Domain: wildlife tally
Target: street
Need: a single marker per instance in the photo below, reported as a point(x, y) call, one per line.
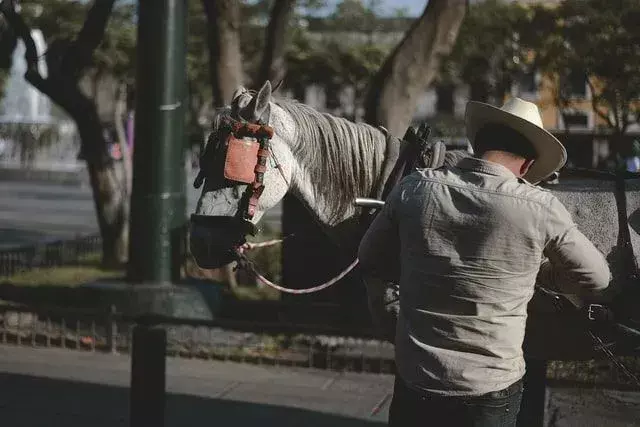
point(32, 211)
point(72, 388)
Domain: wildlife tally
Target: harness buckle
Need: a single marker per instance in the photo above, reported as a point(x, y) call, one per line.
point(596, 312)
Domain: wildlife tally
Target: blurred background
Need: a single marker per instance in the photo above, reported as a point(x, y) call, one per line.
point(68, 100)
point(67, 119)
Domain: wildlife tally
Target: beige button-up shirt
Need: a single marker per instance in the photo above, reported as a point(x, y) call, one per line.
point(472, 241)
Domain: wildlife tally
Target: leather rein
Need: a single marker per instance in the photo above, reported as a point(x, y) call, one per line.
point(247, 164)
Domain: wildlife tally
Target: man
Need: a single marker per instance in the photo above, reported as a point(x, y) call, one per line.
point(471, 240)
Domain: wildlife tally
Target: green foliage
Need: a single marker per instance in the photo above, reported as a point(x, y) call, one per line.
point(499, 41)
point(329, 61)
point(61, 20)
point(355, 15)
point(488, 54)
point(602, 40)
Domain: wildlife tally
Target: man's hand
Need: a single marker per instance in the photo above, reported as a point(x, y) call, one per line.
point(384, 306)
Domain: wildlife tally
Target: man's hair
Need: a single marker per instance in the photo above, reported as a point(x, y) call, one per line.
point(499, 137)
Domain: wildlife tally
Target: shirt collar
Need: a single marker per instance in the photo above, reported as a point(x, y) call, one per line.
point(475, 164)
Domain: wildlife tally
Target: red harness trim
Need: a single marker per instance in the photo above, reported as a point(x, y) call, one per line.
point(263, 134)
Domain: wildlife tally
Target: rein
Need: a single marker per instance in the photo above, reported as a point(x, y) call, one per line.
point(418, 153)
point(245, 162)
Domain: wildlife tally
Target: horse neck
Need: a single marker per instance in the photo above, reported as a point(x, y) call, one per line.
point(335, 162)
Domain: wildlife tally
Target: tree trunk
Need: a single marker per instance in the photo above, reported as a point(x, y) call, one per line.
point(223, 39)
point(445, 103)
point(479, 91)
point(107, 179)
point(122, 245)
point(394, 91)
point(66, 62)
point(273, 66)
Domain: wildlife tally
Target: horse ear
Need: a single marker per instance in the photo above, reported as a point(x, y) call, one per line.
point(277, 86)
point(260, 102)
point(239, 91)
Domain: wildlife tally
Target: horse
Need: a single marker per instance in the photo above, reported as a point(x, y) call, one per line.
point(327, 162)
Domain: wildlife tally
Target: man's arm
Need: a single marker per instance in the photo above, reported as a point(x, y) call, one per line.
point(379, 258)
point(574, 266)
point(379, 250)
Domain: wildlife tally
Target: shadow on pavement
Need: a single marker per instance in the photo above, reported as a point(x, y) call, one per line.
point(28, 401)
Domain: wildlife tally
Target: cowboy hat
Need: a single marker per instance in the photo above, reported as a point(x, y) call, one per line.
point(523, 117)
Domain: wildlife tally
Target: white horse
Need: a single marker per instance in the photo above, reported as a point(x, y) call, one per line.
point(326, 162)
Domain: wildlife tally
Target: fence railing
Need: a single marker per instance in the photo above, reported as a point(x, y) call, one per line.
point(48, 254)
point(283, 344)
point(267, 343)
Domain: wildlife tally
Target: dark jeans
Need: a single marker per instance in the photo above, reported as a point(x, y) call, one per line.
point(412, 408)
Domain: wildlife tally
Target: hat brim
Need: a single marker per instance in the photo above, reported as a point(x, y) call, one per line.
point(551, 154)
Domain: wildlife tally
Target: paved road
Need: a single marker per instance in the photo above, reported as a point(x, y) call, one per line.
point(52, 387)
point(66, 388)
point(35, 211)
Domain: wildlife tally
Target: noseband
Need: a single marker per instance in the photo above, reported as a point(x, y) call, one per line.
point(245, 161)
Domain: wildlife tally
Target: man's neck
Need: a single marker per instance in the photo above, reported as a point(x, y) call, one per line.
point(509, 161)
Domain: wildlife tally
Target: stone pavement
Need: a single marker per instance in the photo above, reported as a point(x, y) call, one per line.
point(49, 387)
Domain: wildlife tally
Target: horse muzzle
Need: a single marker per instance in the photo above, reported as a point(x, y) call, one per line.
point(213, 240)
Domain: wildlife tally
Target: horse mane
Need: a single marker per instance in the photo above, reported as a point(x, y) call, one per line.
point(344, 158)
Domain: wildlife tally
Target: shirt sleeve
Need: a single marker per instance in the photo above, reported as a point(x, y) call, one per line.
point(379, 259)
point(379, 250)
point(574, 265)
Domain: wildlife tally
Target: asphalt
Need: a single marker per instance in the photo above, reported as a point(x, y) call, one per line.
point(47, 387)
point(52, 387)
point(33, 211)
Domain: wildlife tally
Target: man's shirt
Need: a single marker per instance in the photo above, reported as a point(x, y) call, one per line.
point(472, 240)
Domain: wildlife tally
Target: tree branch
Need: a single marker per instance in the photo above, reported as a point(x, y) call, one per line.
point(223, 40)
point(79, 55)
point(23, 31)
point(595, 102)
point(393, 92)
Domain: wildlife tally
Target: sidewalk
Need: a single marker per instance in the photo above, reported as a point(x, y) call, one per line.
point(68, 388)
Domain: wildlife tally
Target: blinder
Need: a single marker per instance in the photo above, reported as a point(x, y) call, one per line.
point(245, 161)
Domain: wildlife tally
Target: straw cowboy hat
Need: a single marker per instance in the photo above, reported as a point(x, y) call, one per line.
point(523, 117)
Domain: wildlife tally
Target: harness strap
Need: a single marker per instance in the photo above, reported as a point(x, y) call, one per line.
point(413, 151)
point(392, 155)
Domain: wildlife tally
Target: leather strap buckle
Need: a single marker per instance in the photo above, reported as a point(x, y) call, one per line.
point(597, 312)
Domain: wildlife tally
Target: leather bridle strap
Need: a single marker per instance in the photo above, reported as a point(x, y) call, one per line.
point(263, 134)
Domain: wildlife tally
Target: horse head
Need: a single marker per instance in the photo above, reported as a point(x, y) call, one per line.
point(245, 170)
point(259, 150)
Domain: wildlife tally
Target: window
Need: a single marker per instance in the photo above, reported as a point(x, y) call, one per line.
point(527, 82)
point(576, 84)
point(575, 119)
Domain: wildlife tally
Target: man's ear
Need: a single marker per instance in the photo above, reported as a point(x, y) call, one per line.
point(526, 166)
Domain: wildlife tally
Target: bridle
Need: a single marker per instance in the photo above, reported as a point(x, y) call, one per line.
point(245, 161)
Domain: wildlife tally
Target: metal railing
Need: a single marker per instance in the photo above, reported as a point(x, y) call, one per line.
point(281, 344)
point(275, 343)
point(48, 254)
